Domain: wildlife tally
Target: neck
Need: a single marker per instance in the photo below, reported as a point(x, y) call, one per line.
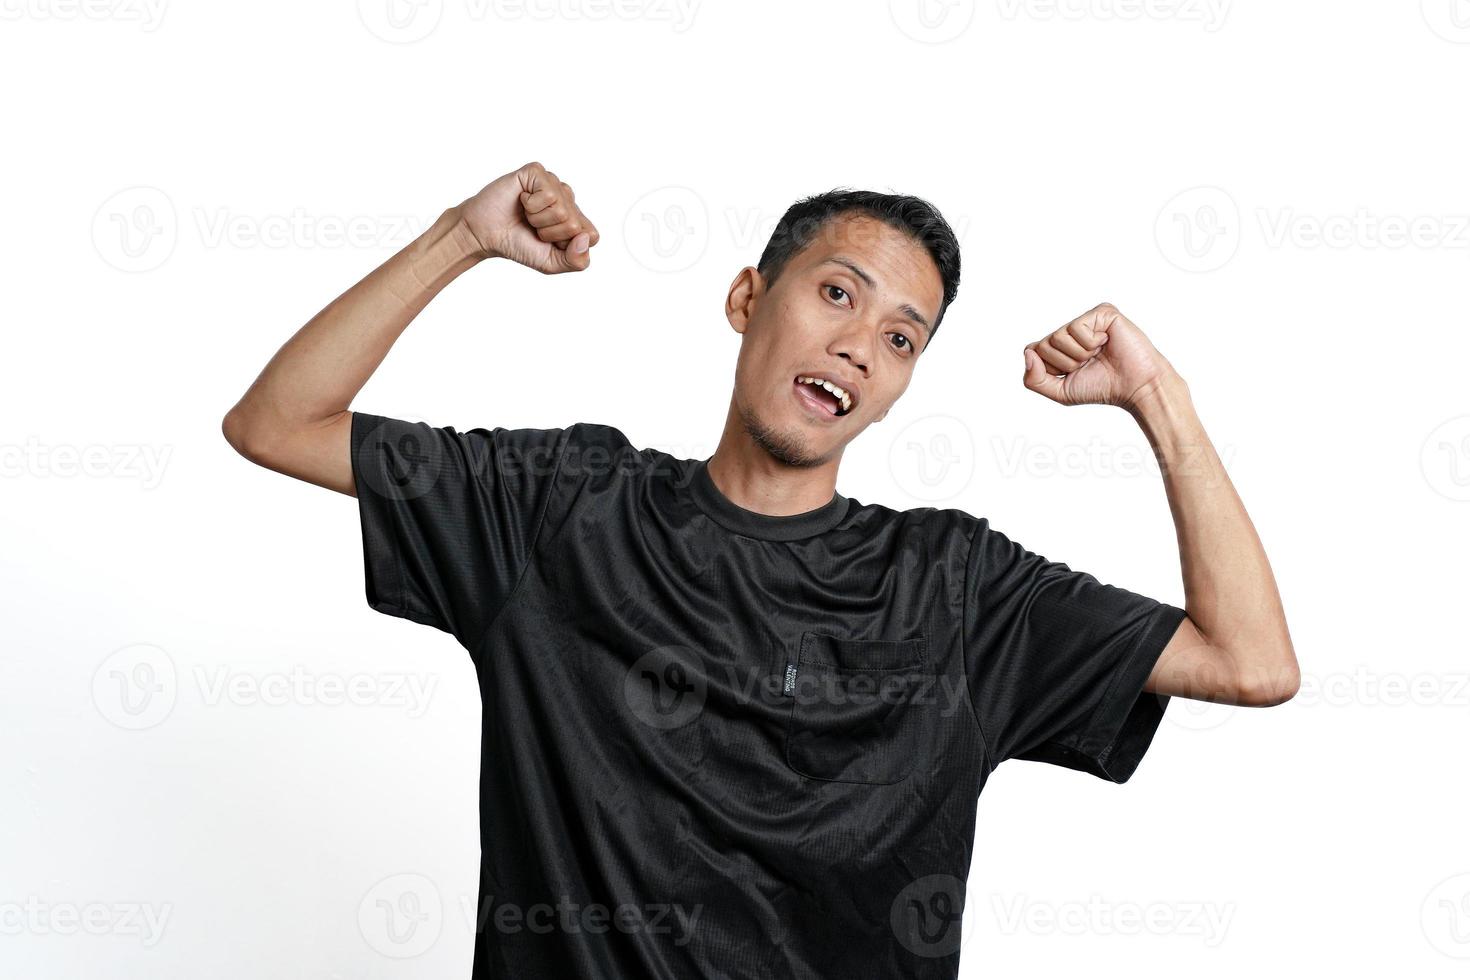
point(750, 477)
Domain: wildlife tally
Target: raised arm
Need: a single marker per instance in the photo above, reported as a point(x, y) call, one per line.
point(294, 418)
point(1234, 646)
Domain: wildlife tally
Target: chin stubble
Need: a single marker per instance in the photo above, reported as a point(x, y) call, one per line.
point(783, 447)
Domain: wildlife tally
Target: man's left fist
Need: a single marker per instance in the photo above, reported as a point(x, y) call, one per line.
point(1103, 359)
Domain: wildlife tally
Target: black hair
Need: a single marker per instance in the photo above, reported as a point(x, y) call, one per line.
point(911, 215)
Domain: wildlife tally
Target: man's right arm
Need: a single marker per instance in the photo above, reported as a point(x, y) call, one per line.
point(294, 418)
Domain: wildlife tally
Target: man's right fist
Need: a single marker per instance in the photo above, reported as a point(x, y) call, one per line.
point(530, 217)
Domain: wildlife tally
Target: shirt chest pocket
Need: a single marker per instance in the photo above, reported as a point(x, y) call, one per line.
point(861, 710)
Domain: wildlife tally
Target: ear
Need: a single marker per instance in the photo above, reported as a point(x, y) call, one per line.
point(744, 293)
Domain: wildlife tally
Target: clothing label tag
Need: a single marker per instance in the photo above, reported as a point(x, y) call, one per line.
point(790, 679)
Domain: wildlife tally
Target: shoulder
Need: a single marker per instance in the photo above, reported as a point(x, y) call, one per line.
point(949, 529)
point(939, 520)
point(590, 434)
point(599, 453)
point(946, 533)
point(557, 452)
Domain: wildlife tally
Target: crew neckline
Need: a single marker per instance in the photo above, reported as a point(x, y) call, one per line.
point(733, 517)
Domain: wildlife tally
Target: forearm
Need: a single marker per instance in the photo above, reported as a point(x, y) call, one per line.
point(315, 375)
point(1230, 591)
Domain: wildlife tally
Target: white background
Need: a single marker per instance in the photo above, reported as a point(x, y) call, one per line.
point(1274, 192)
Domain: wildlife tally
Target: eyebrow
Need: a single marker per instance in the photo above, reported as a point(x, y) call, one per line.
point(906, 309)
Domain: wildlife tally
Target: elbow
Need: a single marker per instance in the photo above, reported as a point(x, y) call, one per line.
point(1268, 680)
point(241, 435)
point(1269, 696)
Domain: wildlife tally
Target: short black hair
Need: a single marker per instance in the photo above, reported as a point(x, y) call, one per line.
point(912, 215)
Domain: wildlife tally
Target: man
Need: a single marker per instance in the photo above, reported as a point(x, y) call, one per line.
point(735, 723)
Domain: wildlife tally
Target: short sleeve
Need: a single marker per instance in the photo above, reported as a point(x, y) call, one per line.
point(448, 518)
point(1056, 660)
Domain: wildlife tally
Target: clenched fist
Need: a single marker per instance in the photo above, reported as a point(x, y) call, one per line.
point(1103, 359)
point(530, 217)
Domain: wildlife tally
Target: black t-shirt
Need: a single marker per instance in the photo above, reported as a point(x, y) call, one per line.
point(723, 744)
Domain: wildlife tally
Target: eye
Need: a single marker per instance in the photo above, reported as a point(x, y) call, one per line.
point(829, 287)
point(902, 343)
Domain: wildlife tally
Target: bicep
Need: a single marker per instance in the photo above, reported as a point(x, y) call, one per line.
point(320, 453)
point(449, 518)
point(1192, 667)
point(1057, 660)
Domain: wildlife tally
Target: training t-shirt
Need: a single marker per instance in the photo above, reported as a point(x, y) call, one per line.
point(721, 744)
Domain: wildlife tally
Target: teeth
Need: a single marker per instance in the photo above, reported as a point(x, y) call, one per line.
point(842, 395)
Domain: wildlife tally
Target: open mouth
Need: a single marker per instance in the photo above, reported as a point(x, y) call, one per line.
point(829, 397)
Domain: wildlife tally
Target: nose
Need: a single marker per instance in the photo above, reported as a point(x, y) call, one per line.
point(852, 347)
point(861, 367)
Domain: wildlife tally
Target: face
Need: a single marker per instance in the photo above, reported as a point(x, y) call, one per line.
point(853, 308)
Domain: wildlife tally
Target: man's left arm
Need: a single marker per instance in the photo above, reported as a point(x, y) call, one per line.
point(1233, 646)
